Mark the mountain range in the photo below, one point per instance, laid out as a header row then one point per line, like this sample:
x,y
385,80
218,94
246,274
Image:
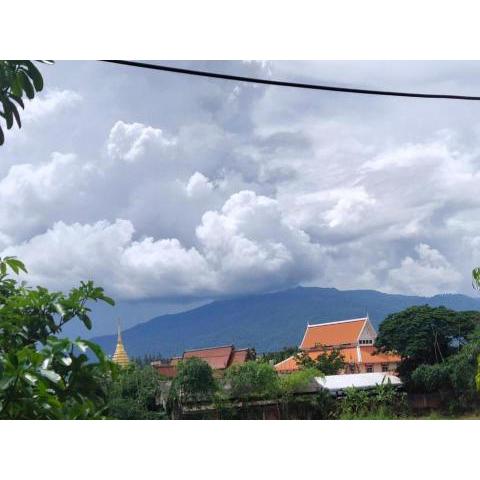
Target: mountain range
x,y
267,322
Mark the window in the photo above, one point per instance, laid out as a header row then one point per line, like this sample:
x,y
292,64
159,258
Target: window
x,y
384,367
366,342
369,368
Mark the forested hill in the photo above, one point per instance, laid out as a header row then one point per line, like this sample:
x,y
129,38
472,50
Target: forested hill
x,y
267,322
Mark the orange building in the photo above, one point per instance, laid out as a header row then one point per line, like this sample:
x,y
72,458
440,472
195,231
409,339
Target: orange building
x,y
354,338
219,358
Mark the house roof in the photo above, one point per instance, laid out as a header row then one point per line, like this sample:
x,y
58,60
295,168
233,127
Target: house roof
x,y
357,355
370,355
240,356
333,333
358,380
216,357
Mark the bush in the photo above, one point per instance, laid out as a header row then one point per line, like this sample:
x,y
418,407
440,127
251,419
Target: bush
x,y
43,376
382,402
194,382
133,393
252,380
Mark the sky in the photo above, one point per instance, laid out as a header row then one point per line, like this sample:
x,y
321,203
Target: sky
x,y
175,190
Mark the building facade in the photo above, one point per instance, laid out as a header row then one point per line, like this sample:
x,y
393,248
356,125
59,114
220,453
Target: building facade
x,y
353,338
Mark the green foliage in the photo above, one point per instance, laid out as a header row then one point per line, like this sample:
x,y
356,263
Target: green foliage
x,y
252,380
329,361
18,78
382,402
132,394
430,378
297,382
277,357
425,335
455,378
476,278
43,376
194,382
147,359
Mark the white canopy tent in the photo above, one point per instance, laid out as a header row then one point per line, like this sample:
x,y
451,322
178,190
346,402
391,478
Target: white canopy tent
x,y
338,383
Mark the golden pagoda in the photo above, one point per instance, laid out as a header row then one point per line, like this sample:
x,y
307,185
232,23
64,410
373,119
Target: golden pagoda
x,y
120,356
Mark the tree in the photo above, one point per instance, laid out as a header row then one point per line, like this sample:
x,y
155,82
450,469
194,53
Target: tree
x,y
132,394
42,375
329,361
17,78
455,378
252,380
297,382
278,356
425,335
194,382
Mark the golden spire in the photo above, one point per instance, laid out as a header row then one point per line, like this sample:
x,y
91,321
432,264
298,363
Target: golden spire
x,y
120,356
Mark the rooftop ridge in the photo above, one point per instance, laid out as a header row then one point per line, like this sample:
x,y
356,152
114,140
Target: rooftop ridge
x,y
208,348
337,321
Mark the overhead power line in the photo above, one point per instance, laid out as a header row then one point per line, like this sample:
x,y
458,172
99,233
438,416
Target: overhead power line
x,y
279,83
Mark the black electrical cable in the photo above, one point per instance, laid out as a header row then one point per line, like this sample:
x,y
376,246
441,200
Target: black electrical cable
x,y
264,81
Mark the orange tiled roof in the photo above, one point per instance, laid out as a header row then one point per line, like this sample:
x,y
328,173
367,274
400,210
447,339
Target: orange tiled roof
x,y
333,333
369,357
216,357
287,365
350,355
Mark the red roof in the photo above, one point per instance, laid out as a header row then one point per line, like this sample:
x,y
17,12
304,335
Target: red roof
x,y
240,356
345,332
167,370
217,357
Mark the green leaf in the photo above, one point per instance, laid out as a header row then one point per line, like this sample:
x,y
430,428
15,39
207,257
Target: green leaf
x,y
2,136
16,114
26,85
18,99
86,320
5,382
35,75
8,114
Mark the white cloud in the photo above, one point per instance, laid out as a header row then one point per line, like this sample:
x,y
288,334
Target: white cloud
x,y
31,194
245,247
198,185
430,273
129,141
50,102
249,188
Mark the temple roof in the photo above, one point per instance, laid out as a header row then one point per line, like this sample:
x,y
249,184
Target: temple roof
x,y
333,333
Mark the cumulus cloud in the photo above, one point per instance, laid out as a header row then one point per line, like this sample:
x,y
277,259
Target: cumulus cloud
x,y
129,141
226,189
49,103
427,274
247,246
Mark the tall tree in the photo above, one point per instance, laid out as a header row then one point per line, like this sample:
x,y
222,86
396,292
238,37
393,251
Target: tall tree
x,y
425,335
194,382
